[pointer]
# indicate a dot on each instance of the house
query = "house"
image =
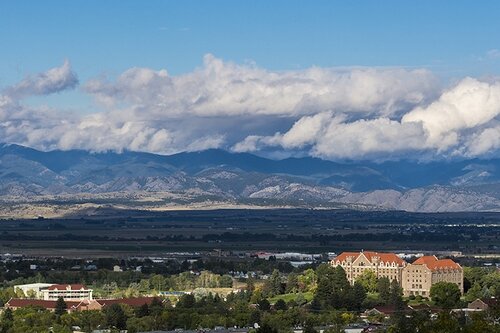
(387, 265)
(426, 271)
(483, 304)
(69, 292)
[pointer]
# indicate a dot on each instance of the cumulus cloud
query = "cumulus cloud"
(226, 89)
(469, 104)
(52, 81)
(454, 123)
(326, 112)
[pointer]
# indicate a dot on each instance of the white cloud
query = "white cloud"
(452, 124)
(220, 88)
(469, 104)
(331, 113)
(484, 142)
(54, 80)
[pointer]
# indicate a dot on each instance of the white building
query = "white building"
(32, 290)
(69, 292)
(51, 291)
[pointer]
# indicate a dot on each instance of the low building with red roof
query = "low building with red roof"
(133, 301)
(387, 265)
(419, 276)
(16, 303)
(95, 304)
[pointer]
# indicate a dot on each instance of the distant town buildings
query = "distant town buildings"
(415, 279)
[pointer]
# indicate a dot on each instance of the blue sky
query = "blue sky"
(264, 41)
(111, 36)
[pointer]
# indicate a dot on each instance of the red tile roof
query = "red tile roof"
(137, 301)
(21, 303)
(434, 263)
(383, 257)
(67, 287)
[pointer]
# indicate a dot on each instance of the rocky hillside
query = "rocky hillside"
(245, 178)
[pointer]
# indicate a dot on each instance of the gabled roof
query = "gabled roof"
(136, 301)
(487, 301)
(388, 309)
(24, 302)
(370, 255)
(67, 287)
(434, 263)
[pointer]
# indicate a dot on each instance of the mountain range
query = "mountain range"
(241, 178)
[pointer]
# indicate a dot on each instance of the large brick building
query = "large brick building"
(387, 265)
(419, 276)
(415, 279)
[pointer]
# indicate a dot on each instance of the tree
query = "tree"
(445, 294)
(186, 301)
(292, 283)
(384, 289)
(265, 328)
(396, 295)
(358, 295)
(474, 292)
(273, 285)
(309, 328)
(7, 321)
(61, 307)
(280, 305)
(158, 282)
(250, 284)
(142, 311)
(368, 280)
(226, 281)
(264, 305)
(115, 316)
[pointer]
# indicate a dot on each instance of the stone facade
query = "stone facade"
(382, 264)
(419, 276)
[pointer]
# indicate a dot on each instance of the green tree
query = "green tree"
(445, 294)
(264, 305)
(396, 295)
(280, 305)
(7, 321)
(368, 280)
(384, 289)
(273, 285)
(265, 328)
(226, 281)
(116, 316)
(474, 292)
(61, 307)
(445, 323)
(186, 301)
(358, 295)
(292, 283)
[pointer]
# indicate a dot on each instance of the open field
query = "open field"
(149, 233)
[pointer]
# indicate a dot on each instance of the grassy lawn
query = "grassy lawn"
(291, 297)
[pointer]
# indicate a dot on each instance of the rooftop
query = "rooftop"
(385, 257)
(433, 263)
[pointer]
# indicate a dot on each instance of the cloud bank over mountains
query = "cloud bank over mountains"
(354, 113)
